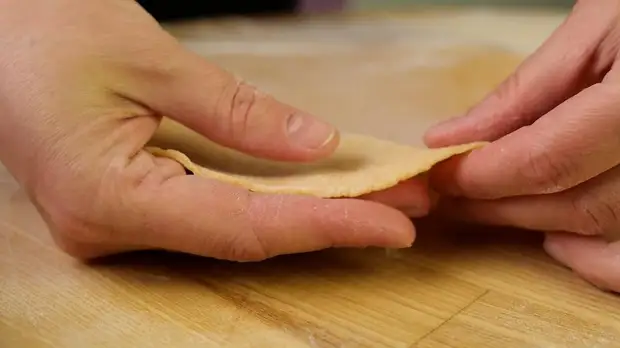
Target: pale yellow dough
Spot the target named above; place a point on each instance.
(360, 165)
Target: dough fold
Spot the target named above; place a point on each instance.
(360, 165)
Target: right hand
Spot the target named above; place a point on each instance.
(83, 86)
(553, 163)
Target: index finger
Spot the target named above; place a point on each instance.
(568, 61)
(571, 144)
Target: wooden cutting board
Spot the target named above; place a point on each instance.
(388, 75)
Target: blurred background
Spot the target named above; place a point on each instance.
(167, 10)
(379, 4)
(430, 58)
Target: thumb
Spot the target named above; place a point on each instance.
(592, 258)
(559, 69)
(223, 108)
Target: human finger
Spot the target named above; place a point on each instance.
(230, 111)
(571, 144)
(568, 61)
(209, 218)
(588, 209)
(592, 258)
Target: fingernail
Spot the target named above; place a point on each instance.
(309, 132)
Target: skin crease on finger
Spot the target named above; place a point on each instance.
(83, 86)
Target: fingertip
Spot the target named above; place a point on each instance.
(458, 130)
(483, 173)
(378, 225)
(565, 246)
(311, 134)
(439, 134)
(218, 105)
(287, 224)
(300, 147)
(304, 154)
(402, 233)
(280, 132)
(588, 256)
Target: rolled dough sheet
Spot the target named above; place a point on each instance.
(360, 165)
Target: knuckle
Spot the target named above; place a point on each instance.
(246, 247)
(235, 109)
(245, 242)
(595, 217)
(546, 174)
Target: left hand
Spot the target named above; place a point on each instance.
(554, 161)
(83, 85)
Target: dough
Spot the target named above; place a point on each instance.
(361, 164)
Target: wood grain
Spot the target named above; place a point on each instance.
(458, 286)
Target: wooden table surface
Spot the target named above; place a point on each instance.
(383, 74)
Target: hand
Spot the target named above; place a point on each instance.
(83, 86)
(553, 164)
